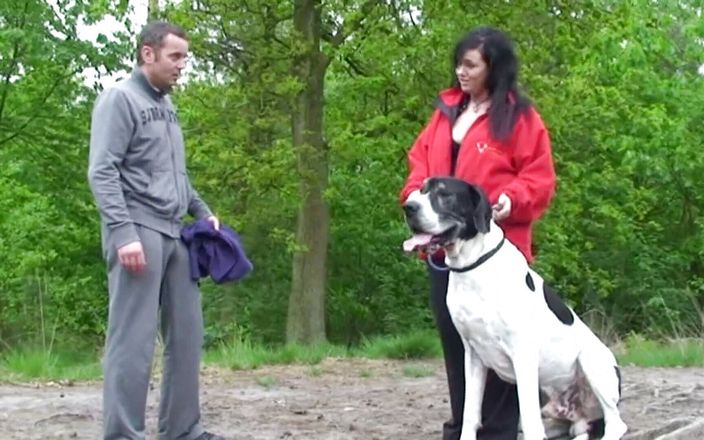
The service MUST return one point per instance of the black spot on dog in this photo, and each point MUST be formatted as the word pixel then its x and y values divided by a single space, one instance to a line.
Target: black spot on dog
pixel 596 429
pixel 529 282
pixel 618 374
pixel 558 308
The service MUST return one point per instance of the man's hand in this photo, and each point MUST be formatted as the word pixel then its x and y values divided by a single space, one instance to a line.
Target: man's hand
pixel 215 222
pixel 502 208
pixel 131 256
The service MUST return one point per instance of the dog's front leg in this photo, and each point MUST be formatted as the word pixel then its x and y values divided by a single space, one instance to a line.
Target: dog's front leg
pixel 475 381
pixel 525 364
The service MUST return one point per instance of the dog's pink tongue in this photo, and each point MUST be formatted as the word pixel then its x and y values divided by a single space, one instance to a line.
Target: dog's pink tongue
pixel 416 241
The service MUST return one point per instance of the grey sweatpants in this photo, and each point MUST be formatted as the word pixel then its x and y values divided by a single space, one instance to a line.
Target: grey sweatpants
pixel 164 289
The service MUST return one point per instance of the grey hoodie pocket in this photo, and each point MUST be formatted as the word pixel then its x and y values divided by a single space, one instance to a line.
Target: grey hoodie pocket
pixel 163 192
pixel 183 194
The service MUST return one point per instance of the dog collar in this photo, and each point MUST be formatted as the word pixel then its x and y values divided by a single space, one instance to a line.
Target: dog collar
pixel 472 266
pixel 481 259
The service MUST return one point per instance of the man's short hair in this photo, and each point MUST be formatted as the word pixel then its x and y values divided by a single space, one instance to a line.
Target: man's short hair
pixel 153 35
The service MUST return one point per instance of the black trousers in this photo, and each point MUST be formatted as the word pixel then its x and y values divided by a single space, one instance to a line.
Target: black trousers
pixel 500 405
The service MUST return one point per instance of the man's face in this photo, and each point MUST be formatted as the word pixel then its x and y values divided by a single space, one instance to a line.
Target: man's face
pixel 163 65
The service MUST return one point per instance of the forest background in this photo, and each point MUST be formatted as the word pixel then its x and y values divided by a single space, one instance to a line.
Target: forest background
pixel 297 118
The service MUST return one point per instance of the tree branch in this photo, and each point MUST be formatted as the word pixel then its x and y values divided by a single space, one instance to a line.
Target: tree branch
pixel 347 28
pixel 13 64
pixel 35 115
pixel 352 64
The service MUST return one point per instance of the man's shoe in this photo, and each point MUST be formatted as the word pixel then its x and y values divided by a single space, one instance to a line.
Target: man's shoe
pixel 209 436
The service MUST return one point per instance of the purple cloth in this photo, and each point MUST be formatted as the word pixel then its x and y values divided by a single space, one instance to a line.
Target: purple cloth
pixel 216 253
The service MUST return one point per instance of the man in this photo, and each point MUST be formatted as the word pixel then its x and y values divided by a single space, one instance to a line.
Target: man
pixel 137 173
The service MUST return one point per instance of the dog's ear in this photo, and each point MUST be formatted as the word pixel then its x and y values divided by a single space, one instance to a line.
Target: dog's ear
pixel 481 215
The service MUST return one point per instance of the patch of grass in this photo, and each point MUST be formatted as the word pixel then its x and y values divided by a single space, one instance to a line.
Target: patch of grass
pixel 54 364
pixel 672 353
pixel 417 371
pixel 266 381
pixel 245 355
pixel 366 374
pixel 238 355
pixel 293 353
pixel 39 364
pixel 315 371
pixel 417 345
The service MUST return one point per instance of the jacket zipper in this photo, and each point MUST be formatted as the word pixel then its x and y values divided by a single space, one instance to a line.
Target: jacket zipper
pixel 173 166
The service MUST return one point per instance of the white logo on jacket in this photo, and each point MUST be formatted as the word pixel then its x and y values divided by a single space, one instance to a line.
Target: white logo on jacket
pixel 482 146
pixel 511 322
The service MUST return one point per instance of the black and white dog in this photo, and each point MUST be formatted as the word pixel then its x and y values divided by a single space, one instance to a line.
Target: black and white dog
pixel 510 321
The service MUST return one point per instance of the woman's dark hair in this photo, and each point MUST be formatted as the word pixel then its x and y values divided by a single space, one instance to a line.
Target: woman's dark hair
pixel 507 102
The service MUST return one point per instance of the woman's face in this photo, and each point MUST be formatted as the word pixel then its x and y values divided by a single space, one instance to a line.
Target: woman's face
pixel 472 72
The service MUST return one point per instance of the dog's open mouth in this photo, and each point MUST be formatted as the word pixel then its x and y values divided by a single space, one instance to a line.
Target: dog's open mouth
pixel 429 242
pixel 418 241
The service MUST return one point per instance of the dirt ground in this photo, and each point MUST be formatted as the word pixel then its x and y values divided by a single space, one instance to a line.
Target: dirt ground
pixel 339 399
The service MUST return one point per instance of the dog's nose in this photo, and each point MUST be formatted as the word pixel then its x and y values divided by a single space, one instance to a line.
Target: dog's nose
pixel 411 207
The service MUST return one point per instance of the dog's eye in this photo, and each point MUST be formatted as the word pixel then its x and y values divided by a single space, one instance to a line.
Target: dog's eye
pixel 445 198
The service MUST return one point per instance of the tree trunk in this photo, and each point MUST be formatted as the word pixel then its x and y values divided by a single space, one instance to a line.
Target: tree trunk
pixel 306 309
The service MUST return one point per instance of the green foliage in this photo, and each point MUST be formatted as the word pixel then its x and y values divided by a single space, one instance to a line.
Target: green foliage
pixel 243 354
pixel 617 83
pixel 42 364
pixel 417 371
pixel 624 231
pixel 674 353
pixel 63 364
pixel 416 345
pixel 53 279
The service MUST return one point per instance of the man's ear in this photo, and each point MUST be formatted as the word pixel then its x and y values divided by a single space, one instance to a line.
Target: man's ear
pixel 148 54
pixel 481 216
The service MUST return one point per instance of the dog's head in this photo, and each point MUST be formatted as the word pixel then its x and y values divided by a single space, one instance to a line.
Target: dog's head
pixel 444 211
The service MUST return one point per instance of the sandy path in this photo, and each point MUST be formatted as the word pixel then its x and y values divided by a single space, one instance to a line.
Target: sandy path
pixel 338 399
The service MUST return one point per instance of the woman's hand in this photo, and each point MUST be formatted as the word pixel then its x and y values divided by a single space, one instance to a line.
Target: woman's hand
pixel 502 208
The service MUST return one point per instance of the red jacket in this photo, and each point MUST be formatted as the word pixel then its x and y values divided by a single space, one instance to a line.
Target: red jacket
pixel 521 166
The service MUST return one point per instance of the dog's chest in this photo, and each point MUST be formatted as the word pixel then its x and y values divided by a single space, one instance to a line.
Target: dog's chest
pixel 496 314
pixel 484 322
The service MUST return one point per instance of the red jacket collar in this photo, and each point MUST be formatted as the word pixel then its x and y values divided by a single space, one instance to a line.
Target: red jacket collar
pixel 453 97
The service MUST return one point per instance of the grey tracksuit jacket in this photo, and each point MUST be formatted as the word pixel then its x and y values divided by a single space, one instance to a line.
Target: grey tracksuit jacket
pixel 137 167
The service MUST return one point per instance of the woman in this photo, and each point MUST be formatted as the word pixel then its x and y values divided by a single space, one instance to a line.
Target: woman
pixel 486 132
